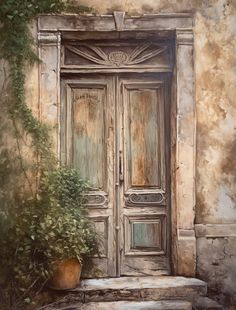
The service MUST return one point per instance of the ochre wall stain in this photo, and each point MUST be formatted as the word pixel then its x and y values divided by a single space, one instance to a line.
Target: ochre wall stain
pixel 215 73
pixel 215 76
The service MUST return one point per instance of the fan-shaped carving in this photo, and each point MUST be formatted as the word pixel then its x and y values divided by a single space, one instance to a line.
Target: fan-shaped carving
pixel 118 57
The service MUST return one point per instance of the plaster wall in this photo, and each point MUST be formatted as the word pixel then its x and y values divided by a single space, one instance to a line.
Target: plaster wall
pixel 215 69
pixel 215 76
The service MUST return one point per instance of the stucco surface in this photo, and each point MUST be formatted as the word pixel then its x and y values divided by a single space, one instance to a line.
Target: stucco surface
pixel 215 76
pixel 216 265
pixel 215 69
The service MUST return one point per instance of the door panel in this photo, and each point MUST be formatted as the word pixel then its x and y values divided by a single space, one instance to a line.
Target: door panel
pixel 143 195
pixel 88 134
pixel 142 133
pixel 113 132
pixel 87 144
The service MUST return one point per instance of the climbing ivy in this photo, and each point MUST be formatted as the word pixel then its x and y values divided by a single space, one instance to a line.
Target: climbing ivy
pixel 54 189
pixel 17 48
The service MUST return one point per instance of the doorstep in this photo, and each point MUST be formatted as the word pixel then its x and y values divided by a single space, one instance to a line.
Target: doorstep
pixel 140 288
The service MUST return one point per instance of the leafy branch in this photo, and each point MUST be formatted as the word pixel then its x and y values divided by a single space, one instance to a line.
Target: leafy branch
pixel 41 222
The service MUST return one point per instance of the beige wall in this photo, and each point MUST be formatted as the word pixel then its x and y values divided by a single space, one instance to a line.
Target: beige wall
pixel 215 72
pixel 215 67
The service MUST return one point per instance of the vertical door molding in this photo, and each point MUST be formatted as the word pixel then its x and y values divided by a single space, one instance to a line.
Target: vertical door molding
pixel 49 83
pixel 185 157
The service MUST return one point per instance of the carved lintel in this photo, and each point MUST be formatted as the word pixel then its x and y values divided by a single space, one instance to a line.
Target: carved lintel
pixel 119 20
pixel 51 38
pixel 184 36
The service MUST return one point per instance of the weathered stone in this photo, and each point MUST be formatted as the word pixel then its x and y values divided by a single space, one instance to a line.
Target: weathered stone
pixel 131 305
pixel 205 303
pixel 141 288
pixel 214 49
pixel 216 260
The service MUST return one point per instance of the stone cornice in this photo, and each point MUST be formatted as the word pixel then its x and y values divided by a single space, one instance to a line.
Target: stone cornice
pixel 115 22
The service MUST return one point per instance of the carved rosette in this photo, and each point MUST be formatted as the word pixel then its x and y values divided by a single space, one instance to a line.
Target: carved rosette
pixel 118 58
pixel 145 199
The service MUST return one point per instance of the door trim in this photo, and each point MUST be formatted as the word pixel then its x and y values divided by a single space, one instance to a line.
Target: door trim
pixel 51 28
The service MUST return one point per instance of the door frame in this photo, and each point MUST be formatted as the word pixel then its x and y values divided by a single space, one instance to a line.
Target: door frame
pixel 178 26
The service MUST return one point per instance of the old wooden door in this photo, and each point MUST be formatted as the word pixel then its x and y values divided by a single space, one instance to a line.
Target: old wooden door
pixel 115 132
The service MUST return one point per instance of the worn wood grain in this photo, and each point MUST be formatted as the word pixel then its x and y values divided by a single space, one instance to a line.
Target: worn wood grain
pixel 114 135
pixel 87 140
pixel 143 137
pixel 88 134
pixel 144 233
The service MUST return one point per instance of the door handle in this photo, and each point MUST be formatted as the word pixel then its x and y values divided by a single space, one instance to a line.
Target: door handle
pixel 121 172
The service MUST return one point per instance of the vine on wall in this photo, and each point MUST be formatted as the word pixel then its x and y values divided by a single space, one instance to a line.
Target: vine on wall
pixel 21 201
pixel 17 48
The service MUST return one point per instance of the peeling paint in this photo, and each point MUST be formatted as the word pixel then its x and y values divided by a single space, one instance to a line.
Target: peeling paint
pixel 215 75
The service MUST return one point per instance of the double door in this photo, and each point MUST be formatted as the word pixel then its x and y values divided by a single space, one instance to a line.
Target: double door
pixel 114 130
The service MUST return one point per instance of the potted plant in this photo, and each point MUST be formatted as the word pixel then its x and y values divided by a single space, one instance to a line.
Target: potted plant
pixel 49 234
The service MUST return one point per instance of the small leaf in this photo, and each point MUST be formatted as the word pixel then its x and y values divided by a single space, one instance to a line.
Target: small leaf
pixel 27 300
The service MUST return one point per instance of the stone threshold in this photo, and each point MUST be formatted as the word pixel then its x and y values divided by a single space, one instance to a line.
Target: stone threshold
pixel 136 293
pixel 132 305
pixel 140 289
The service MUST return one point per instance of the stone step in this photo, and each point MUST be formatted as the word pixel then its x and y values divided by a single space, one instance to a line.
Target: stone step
pixel 132 305
pixel 205 303
pixel 139 289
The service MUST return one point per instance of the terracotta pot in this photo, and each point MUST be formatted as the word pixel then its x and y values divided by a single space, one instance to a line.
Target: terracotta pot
pixel 66 275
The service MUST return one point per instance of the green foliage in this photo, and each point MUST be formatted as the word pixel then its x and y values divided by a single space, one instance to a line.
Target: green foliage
pixel 42 218
pixel 16 47
pixel 48 229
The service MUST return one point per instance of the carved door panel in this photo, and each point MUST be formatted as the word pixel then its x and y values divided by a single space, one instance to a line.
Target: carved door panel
pixel 87 144
pixel 113 132
pixel 144 209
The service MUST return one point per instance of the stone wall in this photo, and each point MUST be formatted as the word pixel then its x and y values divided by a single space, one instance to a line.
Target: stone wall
pixel 215 68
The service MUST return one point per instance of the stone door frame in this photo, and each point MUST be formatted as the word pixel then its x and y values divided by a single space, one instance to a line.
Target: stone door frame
pixel 183 116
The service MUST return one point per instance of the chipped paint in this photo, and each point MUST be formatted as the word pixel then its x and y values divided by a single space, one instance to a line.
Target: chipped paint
pixel 215 65
pixel 215 76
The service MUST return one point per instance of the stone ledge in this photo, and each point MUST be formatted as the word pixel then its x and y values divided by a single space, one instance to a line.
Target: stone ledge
pixel 140 288
pixel 132 305
pixel 215 230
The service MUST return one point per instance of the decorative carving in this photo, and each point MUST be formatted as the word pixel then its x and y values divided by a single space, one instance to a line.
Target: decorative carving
pixel 94 200
pixel 51 38
pixel 119 20
pixel 117 58
pixel 147 199
pixel 184 37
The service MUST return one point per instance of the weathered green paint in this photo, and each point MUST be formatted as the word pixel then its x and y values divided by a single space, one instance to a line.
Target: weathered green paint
pixel 88 134
pixel 144 137
pixel 146 235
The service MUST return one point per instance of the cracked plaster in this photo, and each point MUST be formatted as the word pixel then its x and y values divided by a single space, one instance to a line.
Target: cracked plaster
pixel 215 74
